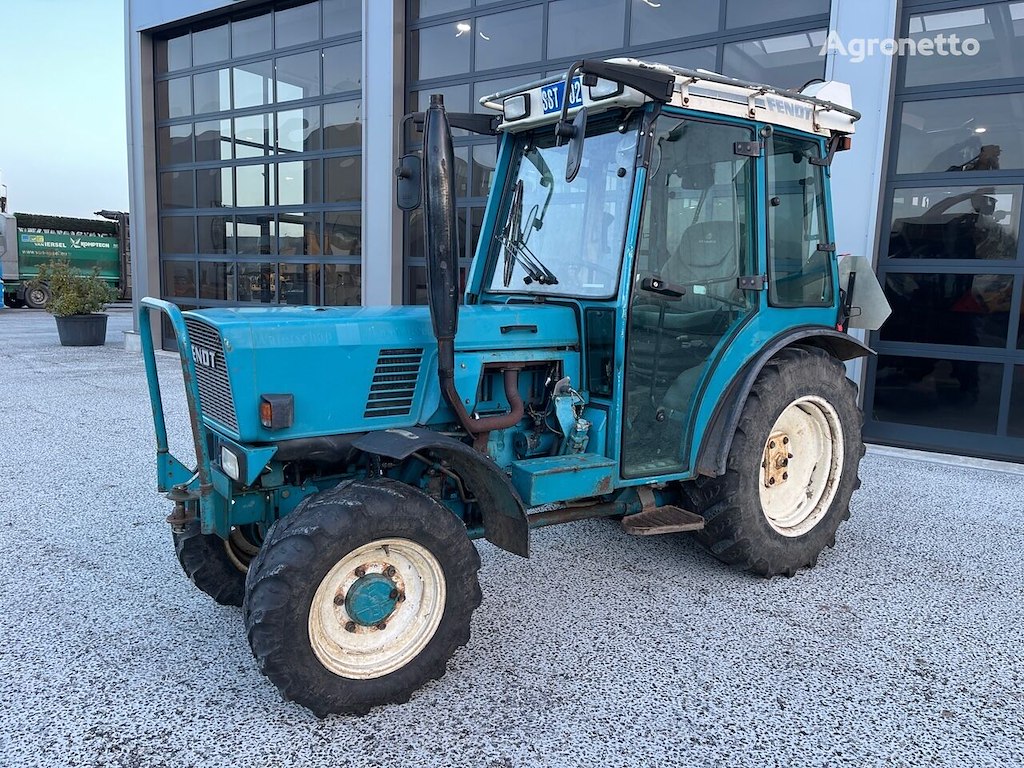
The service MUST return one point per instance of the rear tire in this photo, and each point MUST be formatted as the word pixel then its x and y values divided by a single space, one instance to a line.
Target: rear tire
pixel 37 296
pixel 791 471
pixel 210 565
pixel 360 596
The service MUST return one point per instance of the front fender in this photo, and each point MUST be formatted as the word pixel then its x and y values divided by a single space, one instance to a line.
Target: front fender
pixel 504 516
pixel 714 450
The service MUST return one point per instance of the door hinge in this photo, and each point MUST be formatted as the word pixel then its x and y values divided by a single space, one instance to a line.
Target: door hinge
pixel 747 148
pixel 826 247
pixel 751 282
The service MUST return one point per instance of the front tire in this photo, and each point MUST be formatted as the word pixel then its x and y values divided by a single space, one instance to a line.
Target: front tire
pixel 791 471
pixel 360 596
pixel 215 566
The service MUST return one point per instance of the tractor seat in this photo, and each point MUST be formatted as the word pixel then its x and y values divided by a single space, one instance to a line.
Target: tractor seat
pixel 706 254
pixel 677 398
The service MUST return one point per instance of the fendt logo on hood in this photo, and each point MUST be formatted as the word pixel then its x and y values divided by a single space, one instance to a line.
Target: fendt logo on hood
pixel 204 357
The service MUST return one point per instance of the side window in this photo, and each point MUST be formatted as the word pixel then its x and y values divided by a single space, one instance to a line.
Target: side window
pixel 799 274
pixel 696 229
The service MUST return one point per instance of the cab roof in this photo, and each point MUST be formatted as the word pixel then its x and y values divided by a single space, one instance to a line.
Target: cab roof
pixel 824 108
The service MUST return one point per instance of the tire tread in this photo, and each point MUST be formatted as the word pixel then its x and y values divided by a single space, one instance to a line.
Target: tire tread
pixel 279 576
pixel 735 531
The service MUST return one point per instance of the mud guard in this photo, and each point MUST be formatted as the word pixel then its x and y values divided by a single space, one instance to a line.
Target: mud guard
pixel 714 450
pixel 504 516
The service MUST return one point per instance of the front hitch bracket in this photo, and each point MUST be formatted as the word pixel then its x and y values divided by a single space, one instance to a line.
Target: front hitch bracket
pixel 184 511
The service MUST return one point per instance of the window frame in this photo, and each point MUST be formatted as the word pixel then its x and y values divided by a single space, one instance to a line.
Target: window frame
pixel 826 225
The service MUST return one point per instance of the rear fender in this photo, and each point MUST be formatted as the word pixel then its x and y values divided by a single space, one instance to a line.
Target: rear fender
pixel 714 449
pixel 504 516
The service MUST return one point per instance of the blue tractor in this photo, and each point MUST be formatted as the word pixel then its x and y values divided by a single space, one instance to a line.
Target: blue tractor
pixel 654 329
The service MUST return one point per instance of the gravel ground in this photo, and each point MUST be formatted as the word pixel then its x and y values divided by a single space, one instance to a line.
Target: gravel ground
pixel 903 647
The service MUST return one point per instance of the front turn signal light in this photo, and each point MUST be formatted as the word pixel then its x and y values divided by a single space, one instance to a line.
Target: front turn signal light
pixel 277 411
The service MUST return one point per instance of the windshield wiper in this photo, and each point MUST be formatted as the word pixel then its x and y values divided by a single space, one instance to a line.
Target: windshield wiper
pixel 516 249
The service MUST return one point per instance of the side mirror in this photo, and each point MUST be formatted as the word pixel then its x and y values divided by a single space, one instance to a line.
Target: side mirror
pixel 574 157
pixel 410 184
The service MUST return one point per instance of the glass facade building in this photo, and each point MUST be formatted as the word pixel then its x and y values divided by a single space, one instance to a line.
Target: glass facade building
pixel 258 136
pixel 251 121
pixel 950 368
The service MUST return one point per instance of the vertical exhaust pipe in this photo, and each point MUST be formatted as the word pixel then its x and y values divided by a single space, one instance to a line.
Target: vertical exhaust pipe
pixel 442 254
pixel 441 233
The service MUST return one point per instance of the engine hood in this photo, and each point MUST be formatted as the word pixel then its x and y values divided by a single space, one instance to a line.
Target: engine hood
pixel 352 369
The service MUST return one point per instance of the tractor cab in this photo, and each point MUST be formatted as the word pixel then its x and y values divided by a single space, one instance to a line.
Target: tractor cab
pixel 685 217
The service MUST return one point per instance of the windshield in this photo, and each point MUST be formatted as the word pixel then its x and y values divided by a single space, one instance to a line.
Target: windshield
pixel 566 239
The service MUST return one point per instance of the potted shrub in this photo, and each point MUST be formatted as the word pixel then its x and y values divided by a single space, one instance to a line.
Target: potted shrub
pixel 76 302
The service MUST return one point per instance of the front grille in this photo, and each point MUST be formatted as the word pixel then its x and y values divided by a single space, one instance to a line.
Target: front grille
pixel 211 373
pixel 394 383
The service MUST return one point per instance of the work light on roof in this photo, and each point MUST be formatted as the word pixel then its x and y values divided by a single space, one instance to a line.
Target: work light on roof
pixel 516 107
pixel 604 89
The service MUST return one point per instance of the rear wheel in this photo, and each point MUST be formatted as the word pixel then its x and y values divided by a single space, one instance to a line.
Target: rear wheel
pixel 360 596
pixel 792 468
pixel 37 296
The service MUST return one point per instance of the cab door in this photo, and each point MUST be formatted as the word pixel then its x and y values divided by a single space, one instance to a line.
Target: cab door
pixel 697 238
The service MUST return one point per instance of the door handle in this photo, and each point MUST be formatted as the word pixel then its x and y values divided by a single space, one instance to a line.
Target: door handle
pixel 513 328
pixel 662 287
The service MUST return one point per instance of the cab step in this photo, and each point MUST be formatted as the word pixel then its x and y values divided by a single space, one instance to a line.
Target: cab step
pixel 660 520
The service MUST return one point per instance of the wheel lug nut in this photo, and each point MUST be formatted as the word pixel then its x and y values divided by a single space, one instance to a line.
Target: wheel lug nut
pixel 785 441
pixel 390 571
pixel 771 444
pixel 394 594
pixel 771 481
pixel 339 599
pixel 382 625
pixel 350 626
pixel 360 571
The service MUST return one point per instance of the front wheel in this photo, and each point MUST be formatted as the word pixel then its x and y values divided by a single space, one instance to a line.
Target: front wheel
pixel 792 468
pixel 217 566
pixel 360 596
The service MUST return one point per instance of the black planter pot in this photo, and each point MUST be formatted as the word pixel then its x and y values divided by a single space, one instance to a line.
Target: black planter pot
pixel 82 330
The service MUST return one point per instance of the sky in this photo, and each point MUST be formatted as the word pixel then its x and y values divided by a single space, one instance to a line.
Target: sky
pixel 63 141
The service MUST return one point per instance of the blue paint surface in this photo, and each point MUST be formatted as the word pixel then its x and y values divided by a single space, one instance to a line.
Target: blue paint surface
pixel 563 478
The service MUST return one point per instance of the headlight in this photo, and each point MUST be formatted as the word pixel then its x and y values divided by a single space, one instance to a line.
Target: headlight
pixel 229 463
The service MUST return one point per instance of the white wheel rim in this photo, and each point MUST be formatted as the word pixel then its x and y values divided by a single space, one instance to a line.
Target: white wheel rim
pixel 368 652
pixel 795 505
